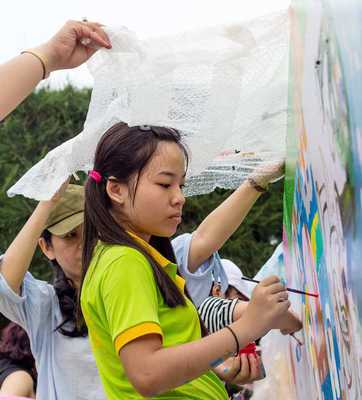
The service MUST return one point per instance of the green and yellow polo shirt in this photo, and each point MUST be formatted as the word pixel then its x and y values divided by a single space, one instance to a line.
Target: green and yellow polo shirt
pixel 121 301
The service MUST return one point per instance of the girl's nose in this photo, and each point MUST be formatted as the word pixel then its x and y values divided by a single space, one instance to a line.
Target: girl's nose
pixel 178 197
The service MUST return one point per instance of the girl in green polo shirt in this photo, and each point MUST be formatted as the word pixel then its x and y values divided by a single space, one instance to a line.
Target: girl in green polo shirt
pixel 145 332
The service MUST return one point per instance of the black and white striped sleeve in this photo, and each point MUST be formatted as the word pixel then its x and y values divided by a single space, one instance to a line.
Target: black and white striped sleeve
pixel 217 312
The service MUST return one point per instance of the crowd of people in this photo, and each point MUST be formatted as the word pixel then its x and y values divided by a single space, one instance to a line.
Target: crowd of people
pixel 131 313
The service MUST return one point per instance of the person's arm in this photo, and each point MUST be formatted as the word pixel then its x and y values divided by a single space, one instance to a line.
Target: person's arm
pixel 18 383
pixel 154 369
pixel 290 323
pixel 221 223
pixel 217 313
pixel 20 75
pixel 18 256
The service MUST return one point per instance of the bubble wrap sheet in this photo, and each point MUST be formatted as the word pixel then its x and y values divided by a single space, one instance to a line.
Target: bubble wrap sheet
pixel 224 88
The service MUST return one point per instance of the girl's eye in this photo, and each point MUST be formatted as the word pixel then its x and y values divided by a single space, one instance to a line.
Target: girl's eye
pixel 165 185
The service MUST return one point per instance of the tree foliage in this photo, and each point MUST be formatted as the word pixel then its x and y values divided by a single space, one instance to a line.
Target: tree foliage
pixel 48 118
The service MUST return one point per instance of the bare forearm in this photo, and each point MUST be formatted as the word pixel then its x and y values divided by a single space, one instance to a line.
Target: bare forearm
pixel 18 77
pixel 18 256
pixel 239 310
pixel 219 225
pixel 190 360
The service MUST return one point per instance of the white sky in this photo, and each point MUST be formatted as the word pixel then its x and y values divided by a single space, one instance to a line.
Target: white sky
pixel 26 23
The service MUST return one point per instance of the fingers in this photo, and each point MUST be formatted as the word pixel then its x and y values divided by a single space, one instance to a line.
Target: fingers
pixel 243 373
pixel 270 280
pixel 97 30
pixel 282 296
pixel 251 369
pixel 255 370
pixel 276 288
pixel 230 368
pixel 283 306
pixel 92 35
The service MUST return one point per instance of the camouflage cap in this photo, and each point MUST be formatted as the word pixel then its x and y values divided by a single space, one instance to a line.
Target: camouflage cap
pixel 68 213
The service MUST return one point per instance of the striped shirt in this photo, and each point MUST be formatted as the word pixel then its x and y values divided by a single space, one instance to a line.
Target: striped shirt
pixel 217 312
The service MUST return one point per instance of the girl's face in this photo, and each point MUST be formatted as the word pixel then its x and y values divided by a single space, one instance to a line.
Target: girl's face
pixel 156 208
pixel 67 250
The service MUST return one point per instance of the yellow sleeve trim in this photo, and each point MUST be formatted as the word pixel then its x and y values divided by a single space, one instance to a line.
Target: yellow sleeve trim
pixel 135 332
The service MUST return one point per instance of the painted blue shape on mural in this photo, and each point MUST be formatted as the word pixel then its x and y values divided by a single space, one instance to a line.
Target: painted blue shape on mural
pixel 305 214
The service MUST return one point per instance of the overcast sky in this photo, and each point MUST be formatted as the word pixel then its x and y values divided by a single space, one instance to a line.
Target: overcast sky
pixel 26 23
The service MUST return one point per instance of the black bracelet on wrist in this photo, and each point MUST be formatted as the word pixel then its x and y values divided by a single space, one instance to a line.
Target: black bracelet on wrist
pixel 236 339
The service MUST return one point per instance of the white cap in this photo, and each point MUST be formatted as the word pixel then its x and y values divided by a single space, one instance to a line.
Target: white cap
pixel 234 276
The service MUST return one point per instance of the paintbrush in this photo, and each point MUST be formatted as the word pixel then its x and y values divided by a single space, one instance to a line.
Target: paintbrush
pixel 289 289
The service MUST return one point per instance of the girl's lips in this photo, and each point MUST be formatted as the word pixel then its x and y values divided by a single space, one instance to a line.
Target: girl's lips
pixel 176 218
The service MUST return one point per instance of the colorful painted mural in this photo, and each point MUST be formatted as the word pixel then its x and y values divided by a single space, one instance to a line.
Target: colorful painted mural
pixel 323 218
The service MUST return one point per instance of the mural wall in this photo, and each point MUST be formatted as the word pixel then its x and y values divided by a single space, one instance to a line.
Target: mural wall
pixel 323 203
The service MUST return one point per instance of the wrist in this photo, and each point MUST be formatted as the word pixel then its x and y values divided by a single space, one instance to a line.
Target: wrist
pixel 47 206
pixel 48 56
pixel 243 332
pixel 258 185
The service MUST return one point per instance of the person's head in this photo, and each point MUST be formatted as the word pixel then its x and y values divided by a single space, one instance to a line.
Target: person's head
pixel 15 346
pixel 237 289
pixel 62 238
pixel 140 172
pixel 61 242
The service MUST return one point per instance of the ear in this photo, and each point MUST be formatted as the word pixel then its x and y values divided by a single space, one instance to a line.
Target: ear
pixel 216 290
pixel 117 192
pixel 47 249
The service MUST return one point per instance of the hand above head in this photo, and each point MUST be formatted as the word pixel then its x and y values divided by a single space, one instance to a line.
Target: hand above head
pixel 267 173
pixel 59 193
pixel 73 44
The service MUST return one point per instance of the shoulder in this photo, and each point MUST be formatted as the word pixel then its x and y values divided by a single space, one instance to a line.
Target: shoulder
pixel 112 263
pixel 109 253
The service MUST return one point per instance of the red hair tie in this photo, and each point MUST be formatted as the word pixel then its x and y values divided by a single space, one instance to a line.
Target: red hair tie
pixel 95 175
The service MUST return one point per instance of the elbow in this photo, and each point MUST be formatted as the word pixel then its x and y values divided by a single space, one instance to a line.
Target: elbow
pixel 148 385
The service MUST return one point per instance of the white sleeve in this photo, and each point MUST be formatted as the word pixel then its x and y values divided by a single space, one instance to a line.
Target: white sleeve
pixel 200 282
pixel 32 307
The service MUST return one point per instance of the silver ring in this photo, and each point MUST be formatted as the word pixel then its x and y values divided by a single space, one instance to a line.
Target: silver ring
pixel 85 41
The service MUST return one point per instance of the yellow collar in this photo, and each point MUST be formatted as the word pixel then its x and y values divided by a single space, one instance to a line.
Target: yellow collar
pixel 156 255
pixel 161 260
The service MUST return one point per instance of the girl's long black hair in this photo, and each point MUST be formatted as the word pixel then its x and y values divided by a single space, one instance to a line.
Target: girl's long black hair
pixel 123 153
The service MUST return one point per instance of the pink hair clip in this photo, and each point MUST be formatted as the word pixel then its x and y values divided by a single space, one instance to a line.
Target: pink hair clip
pixel 95 175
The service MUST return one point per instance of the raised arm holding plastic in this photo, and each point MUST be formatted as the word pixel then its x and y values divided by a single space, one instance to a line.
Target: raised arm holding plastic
pixel 221 223
pixel 66 49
